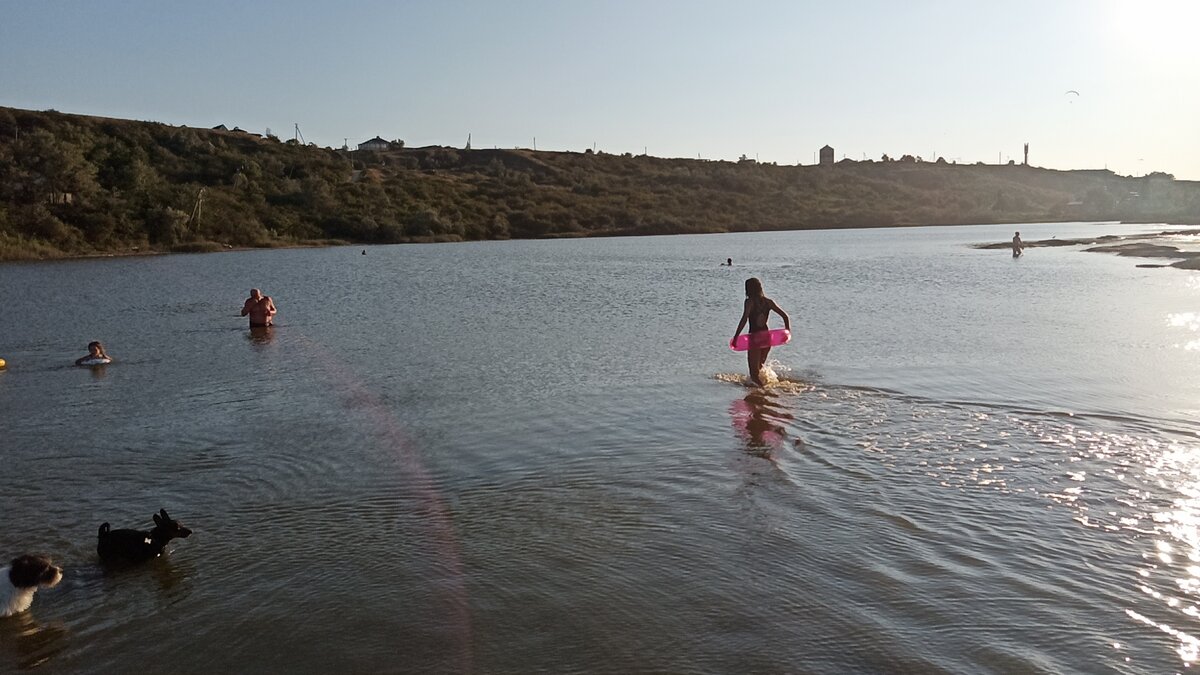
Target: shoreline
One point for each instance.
(215, 247)
(1126, 246)
(138, 252)
(261, 192)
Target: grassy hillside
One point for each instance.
(76, 185)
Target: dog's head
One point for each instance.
(32, 571)
(169, 528)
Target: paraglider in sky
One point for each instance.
(1070, 98)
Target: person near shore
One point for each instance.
(95, 355)
(1018, 246)
(755, 312)
(260, 308)
(729, 262)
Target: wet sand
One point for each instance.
(1134, 246)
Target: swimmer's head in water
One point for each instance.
(255, 293)
(95, 347)
(753, 288)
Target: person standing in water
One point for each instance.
(260, 308)
(1018, 246)
(755, 311)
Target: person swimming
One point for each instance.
(755, 312)
(95, 356)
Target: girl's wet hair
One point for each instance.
(94, 344)
(754, 288)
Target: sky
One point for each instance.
(771, 79)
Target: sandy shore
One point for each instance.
(1134, 246)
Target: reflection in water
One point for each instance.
(759, 420)
(1135, 482)
(172, 580)
(1189, 321)
(1176, 551)
(99, 372)
(29, 644)
(261, 335)
(172, 577)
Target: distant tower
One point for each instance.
(827, 156)
(468, 142)
(1026, 162)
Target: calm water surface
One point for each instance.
(520, 457)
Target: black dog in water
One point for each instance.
(135, 546)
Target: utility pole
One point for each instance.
(535, 143)
(299, 137)
(194, 219)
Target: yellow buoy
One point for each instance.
(2, 363)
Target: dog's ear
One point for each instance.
(163, 513)
(157, 519)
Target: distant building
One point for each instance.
(220, 127)
(827, 156)
(376, 144)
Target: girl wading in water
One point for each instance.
(757, 309)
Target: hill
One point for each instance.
(78, 185)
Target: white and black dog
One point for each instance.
(21, 578)
(135, 546)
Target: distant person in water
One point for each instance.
(95, 352)
(757, 309)
(1018, 246)
(729, 262)
(260, 308)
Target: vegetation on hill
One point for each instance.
(77, 185)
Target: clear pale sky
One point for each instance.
(970, 81)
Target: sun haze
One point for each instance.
(770, 80)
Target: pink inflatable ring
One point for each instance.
(761, 339)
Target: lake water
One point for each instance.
(538, 456)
